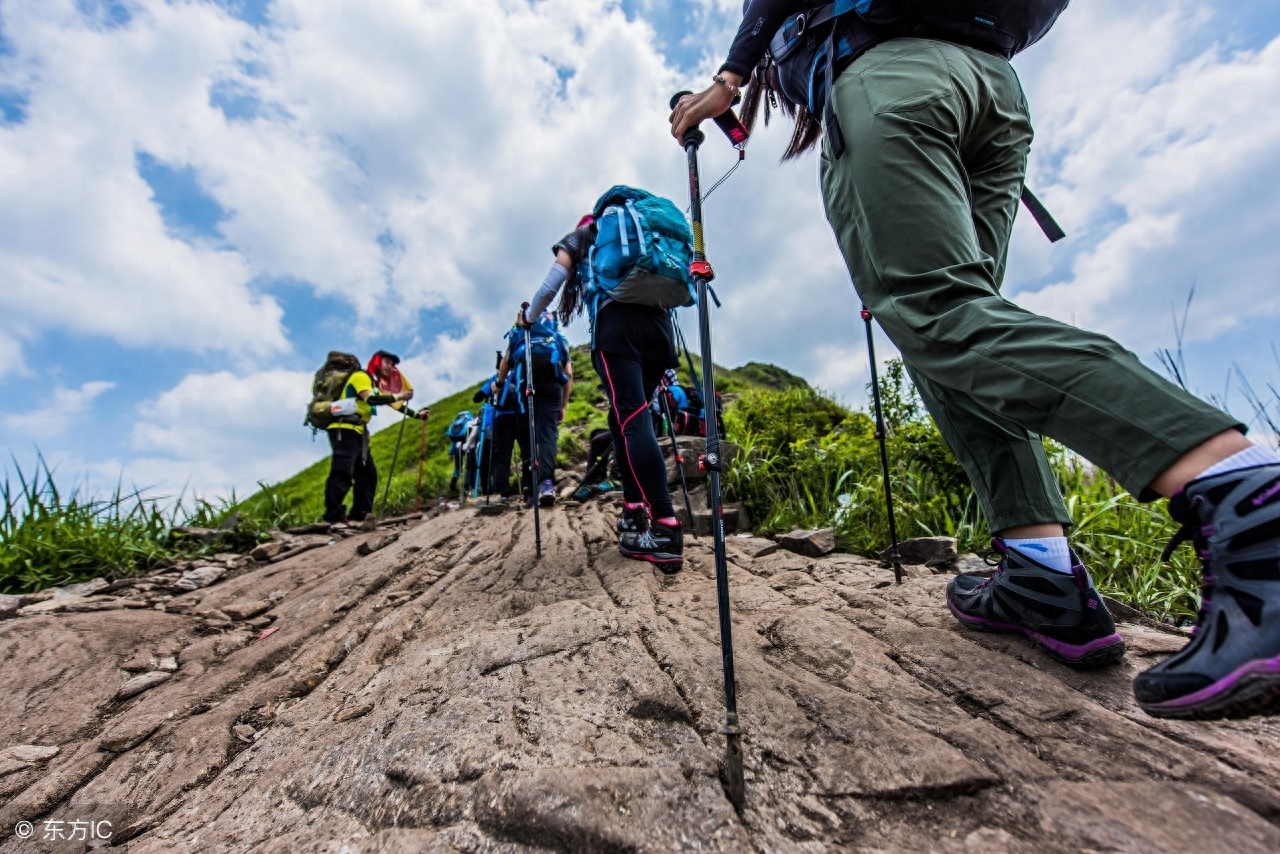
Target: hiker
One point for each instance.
(351, 466)
(631, 345)
(503, 406)
(552, 382)
(685, 405)
(602, 466)
(384, 369)
(463, 457)
(924, 150)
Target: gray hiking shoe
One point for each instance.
(661, 546)
(633, 520)
(1231, 666)
(1061, 612)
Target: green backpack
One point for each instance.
(326, 390)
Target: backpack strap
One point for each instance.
(1041, 215)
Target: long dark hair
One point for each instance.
(571, 304)
(765, 90)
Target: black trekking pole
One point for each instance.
(894, 556)
(533, 447)
(394, 456)
(735, 786)
(675, 451)
(488, 467)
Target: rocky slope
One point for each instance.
(433, 686)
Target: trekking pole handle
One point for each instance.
(728, 122)
(694, 135)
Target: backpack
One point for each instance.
(549, 351)
(326, 390)
(457, 430)
(641, 254)
(802, 50)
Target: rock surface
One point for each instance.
(811, 543)
(449, 691)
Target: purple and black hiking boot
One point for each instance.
(1231, 667)
(1060, 611)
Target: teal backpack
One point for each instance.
(641, 253)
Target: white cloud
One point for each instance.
(216, 431)
(54, 417)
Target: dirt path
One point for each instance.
(449, 692)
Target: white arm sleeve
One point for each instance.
(556, 277)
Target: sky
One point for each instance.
(200, 198)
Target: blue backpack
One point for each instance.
(457, 430)
(641, 254)
(550, 351)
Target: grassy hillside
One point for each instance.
(301, 497)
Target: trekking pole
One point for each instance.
(894, 556)
(391, 472)
(422, 456)
(533, 447)
(488, 466)
(675, 450)
(735, 786)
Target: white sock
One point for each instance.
(1254, 455)
(1053, 552)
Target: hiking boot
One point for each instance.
(633, 520)
(1060, 611)
(546, 493)
(1231, 666)
(660, 545)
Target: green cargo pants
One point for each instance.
(922, 203)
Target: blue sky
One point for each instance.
(199, 198)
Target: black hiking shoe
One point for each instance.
(633, 521)
(1060, 611)
(1231, 666)
(661, 546)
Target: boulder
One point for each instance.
(926, 551)
(201, 576)
(809, 543)
(266, 551)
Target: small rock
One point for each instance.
(352, 713)
(141, 662)
(203, 576)
(10, 766)
(266, 551)
(233, 561)
(31, 752)
(926, 551)
(85, 588)
(97, 603)
(168, 664)
(192, 533)
(244, 732)
(495, 509)
(313, 528)
(208, 613)
(262, 622)
(49, 606)
(809, 543)
(138, 684)
(245, 610)
(372, 544)
(370, 523)
(9, 606)
(971, 564)
(128, 735)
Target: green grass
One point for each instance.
(812, 463)
(51, 537)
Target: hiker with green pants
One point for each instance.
(923, 157)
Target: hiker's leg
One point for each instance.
(365, 488)
(504, 439)
(638, 452)
(345, 446)
(547, 428)
(899, 205)
(526, 453)
(631, 493)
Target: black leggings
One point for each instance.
(633, 346)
